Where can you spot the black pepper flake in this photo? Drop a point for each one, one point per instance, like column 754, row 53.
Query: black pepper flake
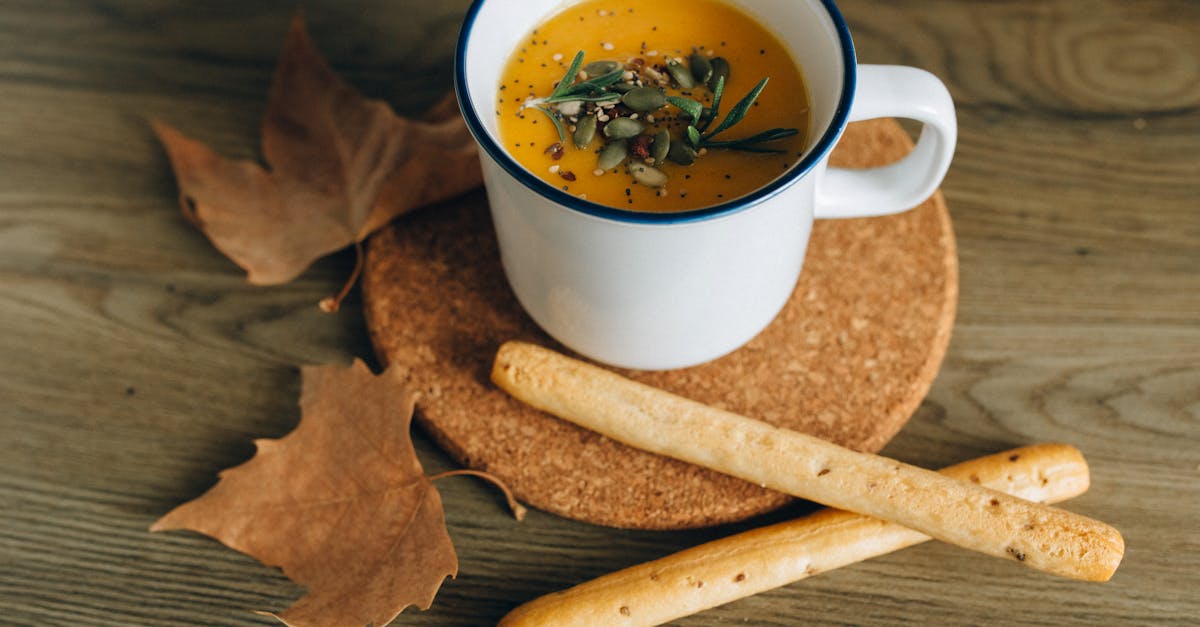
column 727, row 177
column 503, row 87
column 720, row 195
column 1014, row 457
column 1016, row 553
column 129, row 391
column 762, row 51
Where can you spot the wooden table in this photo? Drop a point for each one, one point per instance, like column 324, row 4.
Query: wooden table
column 135, row 362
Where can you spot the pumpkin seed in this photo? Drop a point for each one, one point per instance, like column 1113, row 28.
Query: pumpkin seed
column 600, row 68
column 661, row 145
column 613, row 154
column 623, row 128
column 680, row 74
column 720, row 67
column 585, row 131
column 702, row 70
column 681, row 153
column 644, row 99
column 648, row 176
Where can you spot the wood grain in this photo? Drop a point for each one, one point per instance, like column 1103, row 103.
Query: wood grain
column 136, row 363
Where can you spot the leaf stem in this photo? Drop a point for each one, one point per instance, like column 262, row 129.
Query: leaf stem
column 518, row 510
column 331, row 304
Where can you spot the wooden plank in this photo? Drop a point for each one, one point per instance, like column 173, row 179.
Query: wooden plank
column 135, row 362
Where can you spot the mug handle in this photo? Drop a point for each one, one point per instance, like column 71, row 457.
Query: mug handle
column 894, row 91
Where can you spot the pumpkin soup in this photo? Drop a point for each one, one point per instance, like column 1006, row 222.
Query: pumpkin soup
column 654, row 106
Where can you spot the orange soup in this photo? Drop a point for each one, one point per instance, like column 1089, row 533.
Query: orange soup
column 613, row 102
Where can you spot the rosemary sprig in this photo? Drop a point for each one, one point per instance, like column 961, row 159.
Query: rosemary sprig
column 700, row 121
column 749, row 144
column 739, row 110
column 586, row 91
column 694, row 109
column 556, row 118
column 714, row 110
column 590, row 86
column 568, row 80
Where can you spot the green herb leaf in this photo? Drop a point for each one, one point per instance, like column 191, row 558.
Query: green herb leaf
column 739, row 110
column 751, row 144
column 590, row 86
column 759, row 138
column 557, row 120
column 569, row 97
column 568, row 79
column 693, row 137
column 691, row 107
column 715, row 109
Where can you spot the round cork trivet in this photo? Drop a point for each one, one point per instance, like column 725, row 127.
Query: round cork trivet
column 848, row 359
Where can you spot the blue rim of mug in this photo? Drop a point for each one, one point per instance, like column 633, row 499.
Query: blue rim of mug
column 528, row 179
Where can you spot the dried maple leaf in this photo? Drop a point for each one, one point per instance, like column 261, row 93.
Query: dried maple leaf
column 339, row 167
column 341, row 504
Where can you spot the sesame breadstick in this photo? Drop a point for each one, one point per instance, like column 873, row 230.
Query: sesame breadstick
column 732, row 568
column 954, row 511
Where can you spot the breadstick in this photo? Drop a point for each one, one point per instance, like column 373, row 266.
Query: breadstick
column 732, row 568
column 957, row 512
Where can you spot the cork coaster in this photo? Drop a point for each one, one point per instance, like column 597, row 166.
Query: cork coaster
column 849, row 359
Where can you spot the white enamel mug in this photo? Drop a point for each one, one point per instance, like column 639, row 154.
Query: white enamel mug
column 655, row 291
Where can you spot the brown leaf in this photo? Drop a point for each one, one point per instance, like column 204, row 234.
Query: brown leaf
column 341, row 504
column 339, row 167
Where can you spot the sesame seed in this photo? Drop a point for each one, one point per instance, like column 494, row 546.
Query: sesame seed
column 557, row 56
column 652, row 53
column 607, row 45
column 597, row 172
column 554, row 169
